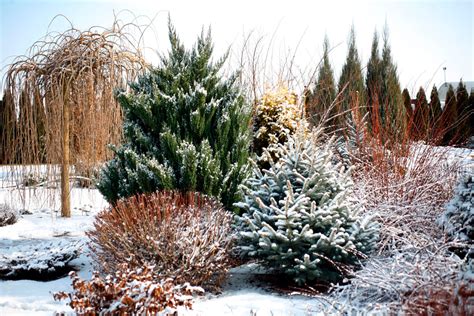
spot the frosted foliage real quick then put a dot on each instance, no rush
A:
(458, 220)
(8, 216)
(298, 217)
(276, 116)
(185, 128)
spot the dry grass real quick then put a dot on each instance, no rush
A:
(406, 186)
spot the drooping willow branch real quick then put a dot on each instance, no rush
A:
(70, 75)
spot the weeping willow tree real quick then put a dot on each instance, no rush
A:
(59, 107)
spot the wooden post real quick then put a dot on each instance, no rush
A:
(65, 194)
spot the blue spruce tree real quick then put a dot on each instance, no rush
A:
(298, 218)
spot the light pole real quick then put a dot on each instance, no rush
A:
(445, 83)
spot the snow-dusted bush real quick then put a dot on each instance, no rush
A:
(7, 215)
(276, 116)
(186, 236)
(412, 281)
(298, 216)
(458, 219)
(186, 127)
(128, 292)
(38, 260)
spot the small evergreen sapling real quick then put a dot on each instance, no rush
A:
(298, 216)
(186, 127)
(458, 220)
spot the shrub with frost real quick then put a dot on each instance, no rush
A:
(8, 216)
(186, 127)
(186, 236)
(128, 292)
(458, 219)
(298, 216)
(276, 116)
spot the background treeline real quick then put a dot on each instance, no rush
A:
(368, 94)
(374, 97)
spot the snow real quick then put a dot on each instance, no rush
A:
(37, 259)
(242, 294)
(256, 302)
(45, 225)
(27, 297)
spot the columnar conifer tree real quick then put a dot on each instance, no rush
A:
(383, 89)
(407, 102)
(185, 127)
(470, 107)
(351, 82)
(421, 115)
(435, 115)
(373, 81)
(462, 97)
(392, 110)
(319, 101)
(449, 117)
(408, 111)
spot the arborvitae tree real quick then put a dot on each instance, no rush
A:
(449, 117)
(318, 103)
(299, 219)
(435, 115)
(408, 111)
(421, 115)
(407, 103)
(373, 81)
(351, 82)
(185, 127)
(470, 108)
(391, 107)
(462, 98)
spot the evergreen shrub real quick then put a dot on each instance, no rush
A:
(186, 127)
(276, 116)
(298, 218)
(458, 219)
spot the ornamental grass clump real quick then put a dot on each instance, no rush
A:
(298, 217)
(185, 236)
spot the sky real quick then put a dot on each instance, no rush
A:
(425, 36)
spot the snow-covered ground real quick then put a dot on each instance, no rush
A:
(241, 295)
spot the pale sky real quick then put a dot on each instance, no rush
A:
(425, 36)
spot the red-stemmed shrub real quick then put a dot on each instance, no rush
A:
(185, 236)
